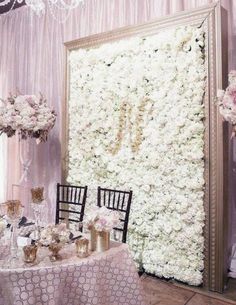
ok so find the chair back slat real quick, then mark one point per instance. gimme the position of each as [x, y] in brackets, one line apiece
[79, 194]
[114, 201]
[63, 196]
[67, 193]
[109, 198]
[68, 219]
[71, 200]
[104, 197]
[75, 194]
[123, 202]
[71, 193]
[119, 201]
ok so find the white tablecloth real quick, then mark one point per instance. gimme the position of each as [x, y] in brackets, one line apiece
[108, 278]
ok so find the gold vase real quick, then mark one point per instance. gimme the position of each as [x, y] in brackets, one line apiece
[103, 241]
[93, 238]
[55, 247]
[30, 253]
[14, 209]
[37, 194]
[82, 247]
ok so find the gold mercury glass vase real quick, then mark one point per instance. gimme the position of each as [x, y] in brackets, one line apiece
[82, 247]
[55, 247]
[103, 241]
[13, 209]
[37, 194]
[30, 253]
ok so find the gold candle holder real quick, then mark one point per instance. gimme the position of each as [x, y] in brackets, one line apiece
[37, 194]
[37, 206]
[14, 209]
[55, 247]
[103, 241]
[82, 247]
[30, 253]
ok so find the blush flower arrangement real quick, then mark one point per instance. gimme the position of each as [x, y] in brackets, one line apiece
[54, 233]
[227, 101]
[28, 115]
[102, 219]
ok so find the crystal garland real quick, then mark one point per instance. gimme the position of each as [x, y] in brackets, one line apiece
[6, 2]
[68, 11]
[39, 6]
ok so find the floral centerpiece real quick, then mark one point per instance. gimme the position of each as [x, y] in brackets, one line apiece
[100, 222]
[27, 114]
[102, 219]
[54, 234]
[227, 101]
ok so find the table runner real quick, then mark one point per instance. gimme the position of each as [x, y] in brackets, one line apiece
[109, 278]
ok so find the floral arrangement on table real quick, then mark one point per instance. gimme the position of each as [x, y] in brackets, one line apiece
[139, 104]
[54, 234]
[28, 115]
[102, 219]
[227, 101]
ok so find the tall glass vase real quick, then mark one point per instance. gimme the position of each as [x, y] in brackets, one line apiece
[14, 213]
[39, 213]
[21, 190]
[13, 241]
[26, 147]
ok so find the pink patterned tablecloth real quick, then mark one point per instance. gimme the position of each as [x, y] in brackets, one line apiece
[108, 278]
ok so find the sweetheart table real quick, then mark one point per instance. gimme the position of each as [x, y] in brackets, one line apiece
[108, 278]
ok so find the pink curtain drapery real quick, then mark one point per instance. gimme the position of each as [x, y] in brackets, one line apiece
[32, 59]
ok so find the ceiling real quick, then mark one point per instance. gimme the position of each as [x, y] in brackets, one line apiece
[6, 8]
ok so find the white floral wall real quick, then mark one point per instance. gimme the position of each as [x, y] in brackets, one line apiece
[136, 121]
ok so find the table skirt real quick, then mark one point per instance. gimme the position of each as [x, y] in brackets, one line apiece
[109, 278]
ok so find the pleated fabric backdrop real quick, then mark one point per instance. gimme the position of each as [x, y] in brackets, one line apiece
[32, 60]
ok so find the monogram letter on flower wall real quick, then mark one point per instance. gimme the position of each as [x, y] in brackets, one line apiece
[135, 127]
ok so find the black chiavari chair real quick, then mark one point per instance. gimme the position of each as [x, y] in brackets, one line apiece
[70, 203]
[119, 201]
